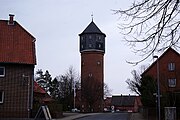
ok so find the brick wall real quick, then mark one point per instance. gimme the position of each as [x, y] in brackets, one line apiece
[170, 56]
[16, 90]
[92, 74]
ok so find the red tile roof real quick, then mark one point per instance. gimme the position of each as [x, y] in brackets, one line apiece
[38, 89]
[16, 44]
[168, 51]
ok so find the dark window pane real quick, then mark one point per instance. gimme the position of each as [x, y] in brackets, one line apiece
[1, 96]
[2, 71]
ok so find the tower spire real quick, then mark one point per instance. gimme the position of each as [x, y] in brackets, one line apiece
[92, 16]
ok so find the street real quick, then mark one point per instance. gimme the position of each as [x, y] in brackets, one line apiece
[107, 116]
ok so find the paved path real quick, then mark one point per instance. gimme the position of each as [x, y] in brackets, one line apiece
[108, 116]
[137, 116]
[73, 116]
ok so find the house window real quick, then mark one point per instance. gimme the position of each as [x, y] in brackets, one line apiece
[1, 96]
[171, 66]
[172, 82]
[2, 71]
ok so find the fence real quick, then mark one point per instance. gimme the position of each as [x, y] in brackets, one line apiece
[54, 108]
[151, 113]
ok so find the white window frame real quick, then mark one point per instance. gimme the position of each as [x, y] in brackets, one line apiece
[3, 71]
[171, 66]
[172, 82]
[2, 96]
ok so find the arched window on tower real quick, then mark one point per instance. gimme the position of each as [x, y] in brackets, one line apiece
[90, 75]
[98, 63]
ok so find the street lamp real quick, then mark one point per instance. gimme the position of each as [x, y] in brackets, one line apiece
[158, 89]
[74, 96]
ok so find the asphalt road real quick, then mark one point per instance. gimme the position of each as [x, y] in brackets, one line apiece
[107, 116]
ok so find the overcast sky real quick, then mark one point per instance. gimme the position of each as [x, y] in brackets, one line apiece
[56, 24]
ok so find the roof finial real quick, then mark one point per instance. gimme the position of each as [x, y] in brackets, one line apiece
[92, 16]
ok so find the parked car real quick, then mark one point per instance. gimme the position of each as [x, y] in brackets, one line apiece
[75, 110]
[106, 110]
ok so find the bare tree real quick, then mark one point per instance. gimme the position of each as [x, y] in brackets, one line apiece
[135, 82]
[151, 26]
[107, 91]
[66, 84]
[92, 93]
[144, 86]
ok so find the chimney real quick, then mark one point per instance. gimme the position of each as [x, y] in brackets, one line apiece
[11, 19]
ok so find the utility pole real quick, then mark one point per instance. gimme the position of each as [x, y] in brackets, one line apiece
[74, 96]
[158, 89]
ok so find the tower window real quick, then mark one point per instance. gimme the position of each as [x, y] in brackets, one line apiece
[82, 38]
[171, 66]
[98, 37]
[99, 45]
[90, 45]
[90, 74]
[82, 63]
[98, 63]
[172, 82]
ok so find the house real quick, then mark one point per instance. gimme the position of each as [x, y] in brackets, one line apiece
[17, 62]
[40, 96]
[169, 71]
[168, 67]
[107, 103]
[130, 103]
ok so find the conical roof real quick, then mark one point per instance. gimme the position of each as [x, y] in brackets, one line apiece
[92, 28]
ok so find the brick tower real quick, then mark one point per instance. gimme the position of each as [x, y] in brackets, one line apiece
[92, 49]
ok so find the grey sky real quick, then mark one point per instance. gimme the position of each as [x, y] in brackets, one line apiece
[56, 24]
